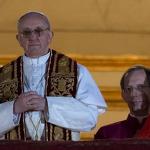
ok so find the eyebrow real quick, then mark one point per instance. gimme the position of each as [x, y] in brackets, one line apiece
[28, 28]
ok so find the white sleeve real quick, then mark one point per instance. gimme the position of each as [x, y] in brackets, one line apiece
[6, 117]
[79, 113]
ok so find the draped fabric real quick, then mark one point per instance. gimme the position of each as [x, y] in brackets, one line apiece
[61, 80]
[128, 128]
[145, 131]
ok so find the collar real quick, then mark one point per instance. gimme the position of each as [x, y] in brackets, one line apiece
[134, 122]
[36, 61]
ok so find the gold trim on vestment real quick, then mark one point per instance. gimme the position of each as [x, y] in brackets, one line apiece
[61, 80]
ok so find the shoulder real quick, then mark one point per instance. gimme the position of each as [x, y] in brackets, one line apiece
[9, 66]
[82, 69]
[110, 130]
[114, 125]
[60, 55]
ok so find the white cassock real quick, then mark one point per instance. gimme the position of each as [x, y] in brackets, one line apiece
[77, 114]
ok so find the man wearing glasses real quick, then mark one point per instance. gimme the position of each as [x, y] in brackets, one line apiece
[135, 86]
[44, 94]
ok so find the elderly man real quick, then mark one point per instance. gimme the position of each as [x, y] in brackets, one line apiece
[135, 85]
[45, 95]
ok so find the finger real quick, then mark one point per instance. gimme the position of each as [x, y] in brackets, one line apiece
[37, 107]
[30, 106]
[36, 101]
[35, 104]
[32, 96]
[34, 107]
[30, 93]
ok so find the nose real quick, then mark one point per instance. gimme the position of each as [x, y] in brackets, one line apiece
[33, 36]
[135, 92]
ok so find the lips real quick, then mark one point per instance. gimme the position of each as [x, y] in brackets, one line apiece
[138, 101]
[34, 44]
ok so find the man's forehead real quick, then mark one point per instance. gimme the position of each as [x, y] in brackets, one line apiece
[136, 75]
[138, 72]
[32, 15]
[33, 19]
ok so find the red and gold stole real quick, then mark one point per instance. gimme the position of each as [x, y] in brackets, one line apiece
[61, 80]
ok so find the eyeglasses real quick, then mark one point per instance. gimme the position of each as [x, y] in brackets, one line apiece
[27, 33]
[140, 88]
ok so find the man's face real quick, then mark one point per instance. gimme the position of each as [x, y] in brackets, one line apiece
[34, 36]
[136, 93]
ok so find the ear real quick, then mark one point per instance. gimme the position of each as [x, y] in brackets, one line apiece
[50, 35]
[124, 96]
[17, 37]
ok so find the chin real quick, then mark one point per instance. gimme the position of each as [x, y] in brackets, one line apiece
[34, 48]
[140, 113]
[33, 55]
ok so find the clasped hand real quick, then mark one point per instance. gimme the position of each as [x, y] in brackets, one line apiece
[29, 101]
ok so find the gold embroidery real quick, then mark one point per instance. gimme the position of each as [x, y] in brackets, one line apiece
[67, 135]
[6, 72]
[8, 86]
[13, 135]
[51, 132]
[63, 65]
[62, 81]
[7, 69]
[58, 134]
[62, 85]
[15, 69]
[8, 89]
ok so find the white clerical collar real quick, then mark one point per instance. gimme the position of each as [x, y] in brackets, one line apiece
[36, 61]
